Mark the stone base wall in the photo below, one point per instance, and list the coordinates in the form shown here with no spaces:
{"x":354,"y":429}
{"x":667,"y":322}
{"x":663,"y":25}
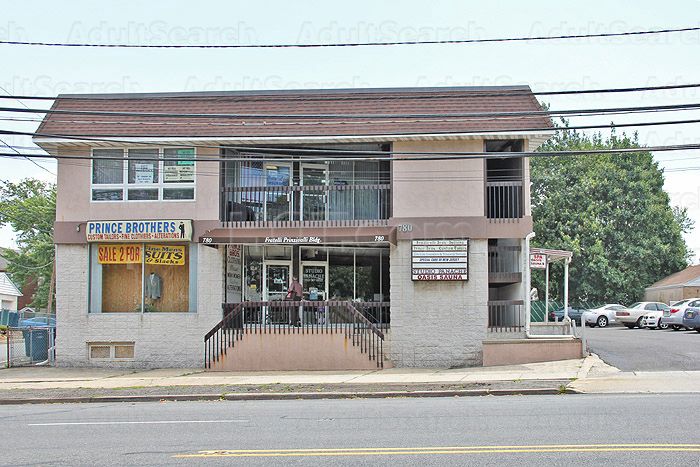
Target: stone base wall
{"x":438,"y":324}
{"x":161,"y":340}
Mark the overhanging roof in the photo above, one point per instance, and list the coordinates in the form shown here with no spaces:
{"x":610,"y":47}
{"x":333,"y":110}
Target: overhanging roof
{"x":378,"y":107}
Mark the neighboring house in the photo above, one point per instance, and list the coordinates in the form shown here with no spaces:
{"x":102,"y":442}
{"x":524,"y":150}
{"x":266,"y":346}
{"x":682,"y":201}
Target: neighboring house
{"x":9,"y":293}
{"x":430,"y":249}
{"x":683,"y":284}
{"x":28,"y":289}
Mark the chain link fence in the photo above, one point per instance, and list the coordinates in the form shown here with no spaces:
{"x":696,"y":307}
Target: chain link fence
{"x":28,"y":346}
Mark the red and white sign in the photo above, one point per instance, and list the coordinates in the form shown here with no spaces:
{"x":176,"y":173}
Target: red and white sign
{"x":538,"y":261}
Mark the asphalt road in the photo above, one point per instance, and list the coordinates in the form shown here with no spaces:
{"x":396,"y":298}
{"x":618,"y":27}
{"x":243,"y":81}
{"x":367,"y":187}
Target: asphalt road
{"x":646,"y":349}
{"x":508,"y":430}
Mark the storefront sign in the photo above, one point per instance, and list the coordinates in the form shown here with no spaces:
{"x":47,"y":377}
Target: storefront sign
{"x":440,"y":260}
{"x":130,"y":253}
{"x":119,"y":254}
{"x":292,"y":240}
{"x":169,"y":255}
{"x":144,"y":231}
{"x":538,"y":261}
{"x":234,"y":270}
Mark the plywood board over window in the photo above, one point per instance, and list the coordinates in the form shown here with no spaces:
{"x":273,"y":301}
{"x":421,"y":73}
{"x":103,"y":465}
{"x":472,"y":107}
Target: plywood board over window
{"x":175,"y":285}
{"x":121,"y":287}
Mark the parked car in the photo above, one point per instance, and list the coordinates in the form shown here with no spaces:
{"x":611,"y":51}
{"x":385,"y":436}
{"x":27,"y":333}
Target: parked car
{"x":38,"y":322}
{"x":652,"y":319}
{"x":601,"y":316}
{"x":674,"y":316}
{"x":632,"y":316}
{"x":574,"y":314}
{"x":691,"y":318}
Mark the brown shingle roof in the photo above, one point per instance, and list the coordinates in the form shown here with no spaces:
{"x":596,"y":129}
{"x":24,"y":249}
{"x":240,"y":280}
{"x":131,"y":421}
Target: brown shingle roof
{"x":449,"y":100}
{"x":679,"y":278}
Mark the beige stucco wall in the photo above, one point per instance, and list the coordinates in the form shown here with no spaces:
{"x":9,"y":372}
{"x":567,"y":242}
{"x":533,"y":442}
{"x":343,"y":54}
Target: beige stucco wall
{"x":519,"y":351}
{"x":161,"y":340}
{"x":442,"y":188}
{"x":321,"y":351}
{"x":73,"y":197}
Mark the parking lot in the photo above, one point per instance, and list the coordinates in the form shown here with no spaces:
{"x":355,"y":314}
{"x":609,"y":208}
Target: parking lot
{"x":645,"y":349}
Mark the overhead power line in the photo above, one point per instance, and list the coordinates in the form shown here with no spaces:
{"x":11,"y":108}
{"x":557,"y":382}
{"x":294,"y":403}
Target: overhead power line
{"x":483,"y":130}
{"x":386,"y":155}
{"x":300,"y":116}
{"x":352,"y":44}
{"x":429,"y":93}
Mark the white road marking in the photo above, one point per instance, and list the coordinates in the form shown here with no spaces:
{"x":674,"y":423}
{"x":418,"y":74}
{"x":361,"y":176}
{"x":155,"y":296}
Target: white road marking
{"x":149,"y":422}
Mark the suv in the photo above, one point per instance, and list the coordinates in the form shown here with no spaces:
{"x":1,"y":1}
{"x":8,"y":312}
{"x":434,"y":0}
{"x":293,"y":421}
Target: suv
{"x":632,"y":317}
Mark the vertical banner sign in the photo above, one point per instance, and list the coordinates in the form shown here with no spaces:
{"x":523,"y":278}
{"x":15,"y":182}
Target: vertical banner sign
{"x":440,"y":260}
{"x":234,"y":270}
{"x":538,"y":261}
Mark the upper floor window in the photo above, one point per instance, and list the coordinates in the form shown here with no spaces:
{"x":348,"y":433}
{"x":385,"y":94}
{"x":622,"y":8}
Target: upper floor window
{"x":143,"y":174}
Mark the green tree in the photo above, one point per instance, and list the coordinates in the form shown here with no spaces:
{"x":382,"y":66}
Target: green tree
{"x":29,"y":207}
{"x":612,"y":212}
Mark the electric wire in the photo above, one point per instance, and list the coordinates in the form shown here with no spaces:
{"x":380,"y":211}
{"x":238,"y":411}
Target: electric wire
{"x":352,"y":44}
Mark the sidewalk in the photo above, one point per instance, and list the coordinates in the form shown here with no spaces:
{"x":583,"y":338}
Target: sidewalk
{"x":589,"y":375}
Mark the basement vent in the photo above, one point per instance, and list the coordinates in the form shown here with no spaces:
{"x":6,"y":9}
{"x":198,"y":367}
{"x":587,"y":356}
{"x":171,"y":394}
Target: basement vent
{"x":111,"y":350}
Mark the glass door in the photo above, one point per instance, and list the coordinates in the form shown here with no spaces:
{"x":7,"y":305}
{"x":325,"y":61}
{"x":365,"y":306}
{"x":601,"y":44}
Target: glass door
{"x":314,"y":205}
{"x":277,"y":279}
{"x":278,"y":177}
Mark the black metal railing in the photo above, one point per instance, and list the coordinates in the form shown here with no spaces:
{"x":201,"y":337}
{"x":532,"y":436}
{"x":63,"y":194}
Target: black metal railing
{"x":302,"y":317}
{"x":306,"y":203}
{"x":504,"y":200}
{"x":506,"y":316}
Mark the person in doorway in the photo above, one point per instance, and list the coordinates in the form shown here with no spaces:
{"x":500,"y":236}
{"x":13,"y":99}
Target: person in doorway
{"x":295,"y":293}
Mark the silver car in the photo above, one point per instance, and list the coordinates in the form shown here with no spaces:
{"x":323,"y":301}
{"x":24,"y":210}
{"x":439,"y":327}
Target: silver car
{"x":673,"y":317}
{"x":602,"y":316}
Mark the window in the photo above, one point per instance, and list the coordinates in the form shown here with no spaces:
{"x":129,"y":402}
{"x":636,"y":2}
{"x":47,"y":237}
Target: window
{"x":111,"y":350}
{"x":650,"y":306}
{"x":143,"y":174}
{"x":136,"y":277}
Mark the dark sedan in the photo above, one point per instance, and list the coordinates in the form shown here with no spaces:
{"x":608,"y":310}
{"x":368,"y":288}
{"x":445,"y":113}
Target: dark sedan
{"x":574,"y":314}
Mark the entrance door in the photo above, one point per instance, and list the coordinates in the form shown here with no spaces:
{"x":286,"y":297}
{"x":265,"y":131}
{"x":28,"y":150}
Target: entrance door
{"x":276,"y":279}
{"x":314,"y":276}
{"x":314,"y":202}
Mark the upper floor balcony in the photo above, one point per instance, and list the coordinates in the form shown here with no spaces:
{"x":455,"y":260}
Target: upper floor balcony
{"x":268,"y":193}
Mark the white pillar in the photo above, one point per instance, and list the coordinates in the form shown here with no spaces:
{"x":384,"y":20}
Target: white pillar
{"x":527,"y":280}
{"x":566,"y":288}
{"x":546,"y":291}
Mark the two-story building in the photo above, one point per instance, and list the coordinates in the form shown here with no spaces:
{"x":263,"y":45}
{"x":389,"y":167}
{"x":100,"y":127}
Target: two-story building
{"x":182,"y":219}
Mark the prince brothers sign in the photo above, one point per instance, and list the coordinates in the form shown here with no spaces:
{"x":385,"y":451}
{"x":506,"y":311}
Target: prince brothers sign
{"x":179,"y":230}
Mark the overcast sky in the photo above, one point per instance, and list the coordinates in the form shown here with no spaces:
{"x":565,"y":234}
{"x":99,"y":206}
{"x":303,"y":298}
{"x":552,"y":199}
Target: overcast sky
{"x":555,"y":65}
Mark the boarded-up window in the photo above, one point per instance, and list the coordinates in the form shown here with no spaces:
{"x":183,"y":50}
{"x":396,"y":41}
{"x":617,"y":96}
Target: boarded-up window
{"x":132,"y":277}
{"x":100,"y":351}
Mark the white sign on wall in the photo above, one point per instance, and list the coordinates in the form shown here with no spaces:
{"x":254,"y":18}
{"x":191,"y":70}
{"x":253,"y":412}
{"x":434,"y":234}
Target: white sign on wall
{"x":179,"y":230}
{"x":538,"y":261}
{"x":440,"y":260}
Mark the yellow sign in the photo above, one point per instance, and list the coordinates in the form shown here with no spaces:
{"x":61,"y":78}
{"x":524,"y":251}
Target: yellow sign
{"x":131,"y":254}
{"x":165,"y":254}
{"x":119,"y":254}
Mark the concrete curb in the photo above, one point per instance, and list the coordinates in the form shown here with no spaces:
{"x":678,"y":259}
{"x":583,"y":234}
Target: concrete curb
{"x":291,"y":396}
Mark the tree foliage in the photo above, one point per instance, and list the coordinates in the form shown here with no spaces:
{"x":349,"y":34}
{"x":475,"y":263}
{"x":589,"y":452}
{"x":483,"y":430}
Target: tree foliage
{"x":612,"y":212}
{"x":29,"y":207}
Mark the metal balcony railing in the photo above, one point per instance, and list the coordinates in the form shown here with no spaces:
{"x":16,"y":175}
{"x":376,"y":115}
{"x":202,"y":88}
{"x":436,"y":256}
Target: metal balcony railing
{"x":257,"y":204}
{"x":504,"y":264}
{"x":504,"y":200}
{"x":506,"y":316}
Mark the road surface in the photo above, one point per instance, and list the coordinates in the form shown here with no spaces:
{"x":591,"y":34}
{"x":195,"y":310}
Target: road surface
{"x":646,"y":349}
{"x":510,"y":430}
